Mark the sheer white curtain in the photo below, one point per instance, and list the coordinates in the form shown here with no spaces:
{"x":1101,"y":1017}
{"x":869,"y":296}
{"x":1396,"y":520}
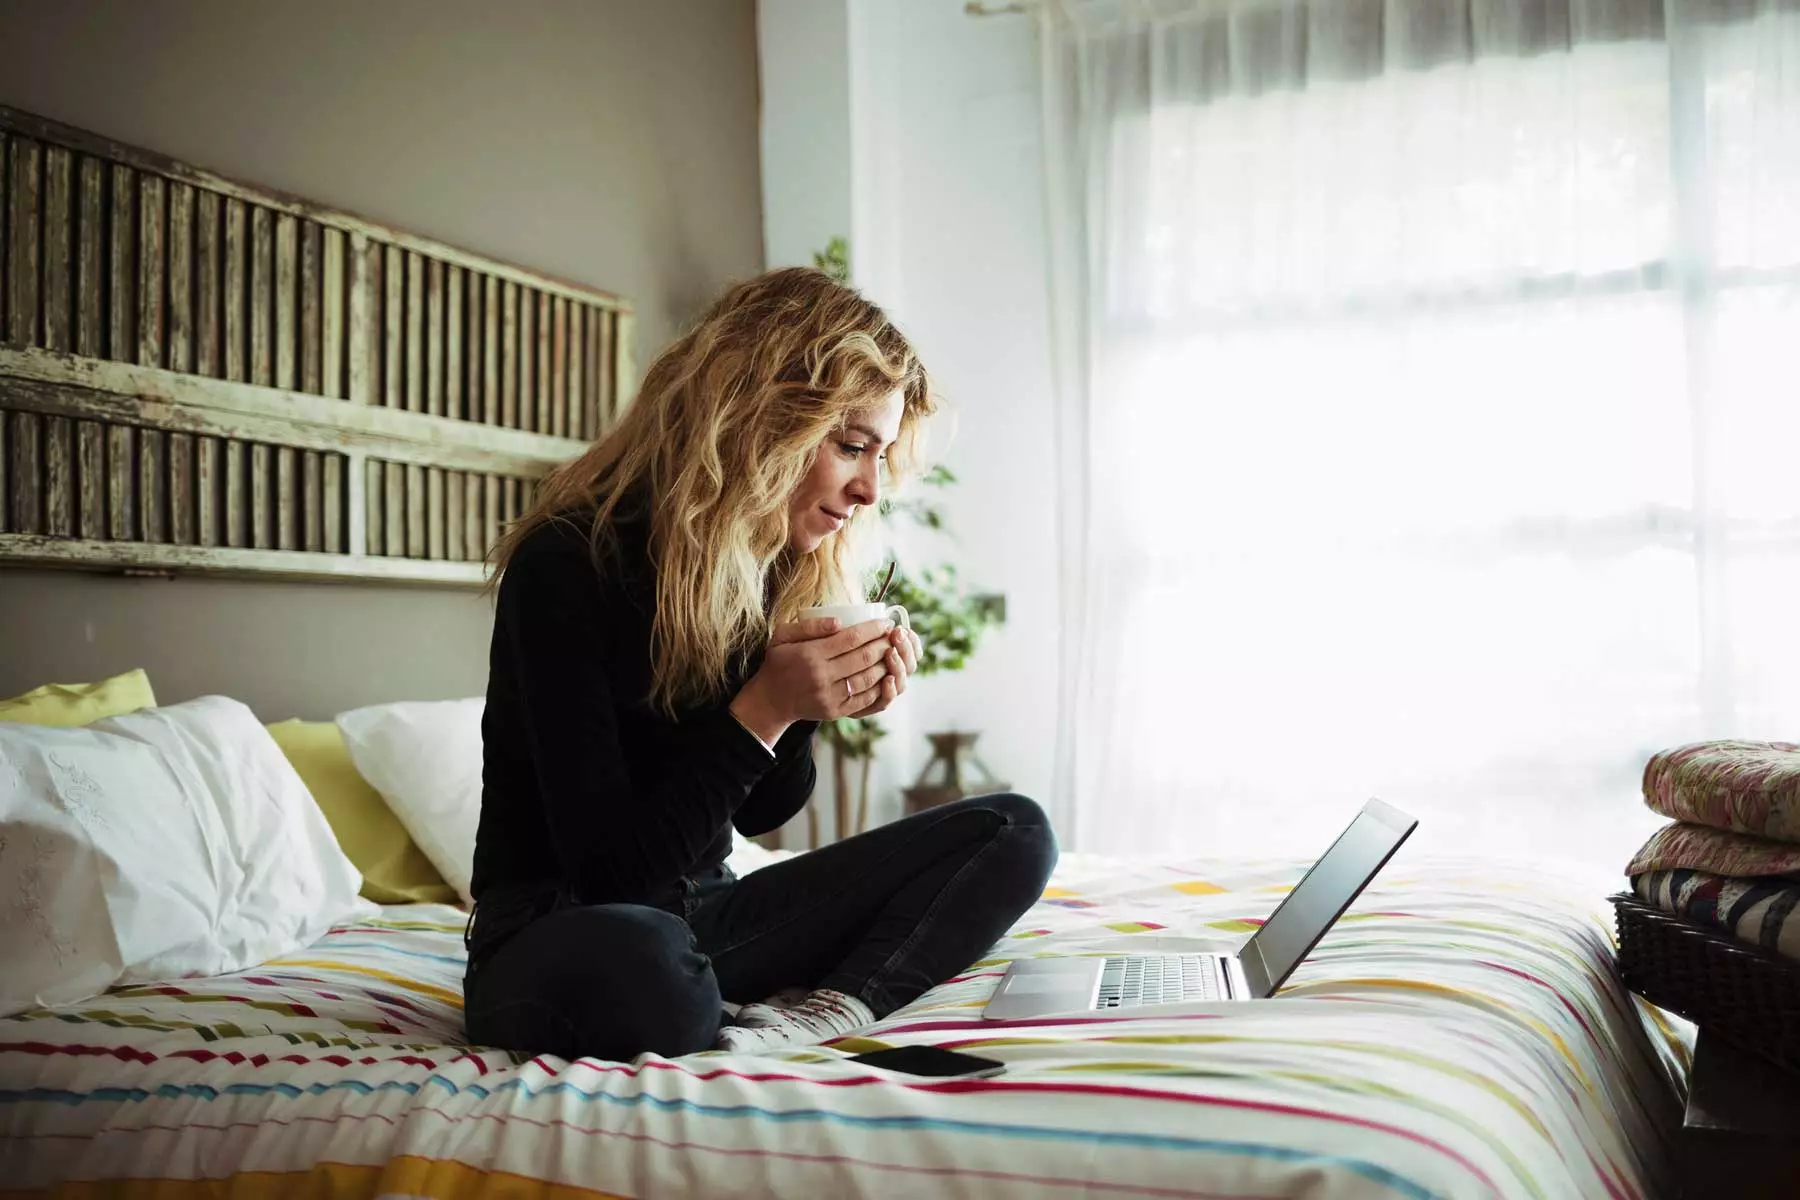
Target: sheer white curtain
{"x":1429,"y":410}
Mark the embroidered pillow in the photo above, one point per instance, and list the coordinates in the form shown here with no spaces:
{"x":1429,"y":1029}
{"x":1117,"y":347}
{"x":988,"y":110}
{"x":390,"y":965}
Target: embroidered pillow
{"x":1697,"y":848}
{"x":160,"y":844}
{"x":1749,"y":787}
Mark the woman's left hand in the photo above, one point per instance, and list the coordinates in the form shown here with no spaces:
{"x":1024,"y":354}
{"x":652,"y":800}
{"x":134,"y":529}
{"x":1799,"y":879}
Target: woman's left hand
{"x":904,"y":649}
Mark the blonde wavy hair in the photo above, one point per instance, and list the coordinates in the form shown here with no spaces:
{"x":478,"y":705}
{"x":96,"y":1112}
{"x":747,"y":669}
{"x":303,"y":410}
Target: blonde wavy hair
{"x":723,"y":430}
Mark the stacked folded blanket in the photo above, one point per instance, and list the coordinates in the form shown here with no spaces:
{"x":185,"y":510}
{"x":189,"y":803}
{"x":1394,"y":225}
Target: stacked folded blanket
{"x":1732,"y":857}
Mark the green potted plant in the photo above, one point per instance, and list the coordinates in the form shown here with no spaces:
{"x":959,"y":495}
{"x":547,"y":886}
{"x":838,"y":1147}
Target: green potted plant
{"x":949,"y":620}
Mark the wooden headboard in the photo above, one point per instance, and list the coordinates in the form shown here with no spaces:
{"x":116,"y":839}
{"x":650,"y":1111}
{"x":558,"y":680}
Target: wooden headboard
{"x":200,"y":375}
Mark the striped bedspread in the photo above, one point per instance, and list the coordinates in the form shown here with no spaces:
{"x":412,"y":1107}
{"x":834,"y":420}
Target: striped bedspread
{"x":1460,"y":1033}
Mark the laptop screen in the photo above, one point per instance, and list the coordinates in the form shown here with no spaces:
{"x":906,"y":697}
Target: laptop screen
{"x":1322,"y":896}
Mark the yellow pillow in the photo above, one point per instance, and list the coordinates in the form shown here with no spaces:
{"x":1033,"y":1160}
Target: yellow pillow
{"x":394,"y":869}
{"x":66,"y":705}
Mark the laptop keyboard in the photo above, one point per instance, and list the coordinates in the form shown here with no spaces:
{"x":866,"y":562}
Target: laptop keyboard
{"x":1126,"y":982}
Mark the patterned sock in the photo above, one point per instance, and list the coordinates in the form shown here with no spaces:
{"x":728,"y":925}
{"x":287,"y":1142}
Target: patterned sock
{"x":787,"y":997}
{"x":820,"y":1017}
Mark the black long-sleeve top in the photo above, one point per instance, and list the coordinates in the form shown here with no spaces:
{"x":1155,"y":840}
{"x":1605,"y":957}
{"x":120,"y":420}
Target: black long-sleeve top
{"x":584,"y":783}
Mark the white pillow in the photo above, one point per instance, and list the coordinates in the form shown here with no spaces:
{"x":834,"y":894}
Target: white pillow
{"x":164,"y":843}
{"x":424,"y":757}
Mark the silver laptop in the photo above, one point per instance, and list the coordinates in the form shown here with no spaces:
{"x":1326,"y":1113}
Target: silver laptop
{"x":1040,"y":987}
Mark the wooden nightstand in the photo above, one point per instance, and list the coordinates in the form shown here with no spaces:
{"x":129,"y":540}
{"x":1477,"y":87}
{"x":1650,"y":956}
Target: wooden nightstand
{"x":1741,"y":1136}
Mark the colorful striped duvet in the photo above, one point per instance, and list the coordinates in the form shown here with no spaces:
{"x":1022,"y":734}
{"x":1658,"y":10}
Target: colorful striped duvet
{"x":1460,"y":1033}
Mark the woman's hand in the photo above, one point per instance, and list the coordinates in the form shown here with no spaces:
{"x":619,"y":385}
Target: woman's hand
{"x":904,"y":649}
{"x":815,"y":671}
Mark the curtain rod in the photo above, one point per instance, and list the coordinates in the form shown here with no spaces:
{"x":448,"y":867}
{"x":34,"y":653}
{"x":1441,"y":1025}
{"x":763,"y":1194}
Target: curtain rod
{"x":975,"y":8}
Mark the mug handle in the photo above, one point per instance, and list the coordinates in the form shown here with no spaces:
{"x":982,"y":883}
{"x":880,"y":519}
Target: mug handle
{"x":899,"y":616}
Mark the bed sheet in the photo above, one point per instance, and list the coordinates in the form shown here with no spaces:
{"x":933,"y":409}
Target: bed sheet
{"x":1460,"y":1032}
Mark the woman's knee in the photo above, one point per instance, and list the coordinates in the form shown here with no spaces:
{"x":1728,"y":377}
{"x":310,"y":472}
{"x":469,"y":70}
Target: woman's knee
{"x":1028,"y":835}
{"x":606,"y":981}
{"x":1019,"y":811}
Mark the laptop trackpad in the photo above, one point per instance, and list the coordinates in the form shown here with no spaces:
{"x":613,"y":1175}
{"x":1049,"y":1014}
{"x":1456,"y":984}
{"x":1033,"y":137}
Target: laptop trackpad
{"x":1037,"y":983}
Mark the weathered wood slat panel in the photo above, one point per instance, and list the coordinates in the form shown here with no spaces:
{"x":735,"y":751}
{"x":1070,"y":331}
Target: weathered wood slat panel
{"x":609,"y":378}
{"x":90,"y":476}
{"x":23,"y":444}
{"x":546,"y":381}
{"x":287,"y":308}
{"x":332,"y":503}
{"x":473,"y":359}
{"x":90,"y":265}
{"x":27,"y":125}
{"x":209,"y":486}
{"x":624,"y":364}
{"x":109,"y":391}
{"x":577,"y":369}
{"x":262,"y":296}
{"x":333,"y":325}
{"x":287,"y":498}
{"x":153,"y":499}
{"x":121,"y":483}
{"x":181,"y":278}
{"x":151,"y":273}
{"x":509,"y":355}
{"x":312,"y":502}
{"x":262,"y":497}
{"x":435,"y":533}
{"x":237,"y":312}
{"x":237,"y":493}
{"x":594,"y":400}
{"x":122,"y":265}
{"x":363,"y":344}
{"x":209,"y":281}
{"x":454,"y":519}
{"x":415,"y":511}
{"x":473,"y":550}
{"x":5,"y":290}
{"x":59,"y":248}
{"x":311,"y":314}
{"x":490,"y":512}
{"x":559,"y":366}
{"x":375,"y":506}
{"x":453,"y":344}
{"x":490,"y":350}
{"x":415,"y":333}
{"x":259,"y":564}
{"x":59,"y":477}
{"x":434,"y":337}
{"x":528,"y":355}
{"x":142,"y":262}
{"x":181,"y":489}
{"x":393,"y":270}
{"x":22,"y":252}
{"x":394,"y":511}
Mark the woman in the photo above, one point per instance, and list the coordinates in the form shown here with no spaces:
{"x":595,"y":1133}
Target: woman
{"x":650,"y":688}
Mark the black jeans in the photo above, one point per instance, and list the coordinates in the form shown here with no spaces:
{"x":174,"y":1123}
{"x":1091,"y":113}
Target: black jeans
{"x":882,"y":916}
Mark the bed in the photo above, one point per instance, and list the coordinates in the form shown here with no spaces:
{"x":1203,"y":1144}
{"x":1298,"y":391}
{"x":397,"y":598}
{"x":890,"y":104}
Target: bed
{"x":1460,"y":1033}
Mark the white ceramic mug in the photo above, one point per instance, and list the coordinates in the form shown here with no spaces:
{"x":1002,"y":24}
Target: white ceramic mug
{"x":855,"y":614}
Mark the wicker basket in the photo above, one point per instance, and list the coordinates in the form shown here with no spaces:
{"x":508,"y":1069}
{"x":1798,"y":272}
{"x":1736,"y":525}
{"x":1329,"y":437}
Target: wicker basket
{"x":1737,"y":992}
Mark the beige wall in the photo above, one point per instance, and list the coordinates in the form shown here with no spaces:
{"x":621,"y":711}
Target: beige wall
{"x":612,"y":142}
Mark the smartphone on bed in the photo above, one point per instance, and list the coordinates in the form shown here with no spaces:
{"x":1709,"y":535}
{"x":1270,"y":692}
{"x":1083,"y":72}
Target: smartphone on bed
{"x":930,"y":1061}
